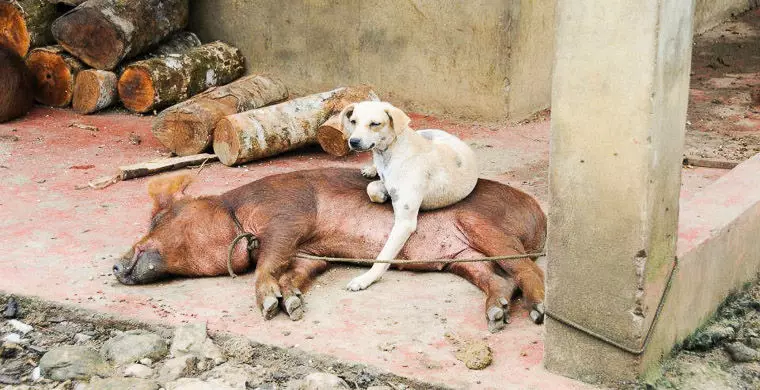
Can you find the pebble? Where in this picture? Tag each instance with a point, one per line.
(20, 326)
(741, 353)
(138, 371)
(36, 375)
(12, 338)
(81, 338)
(323, 381)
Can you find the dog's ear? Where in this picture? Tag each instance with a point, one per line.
(399, 121)
(345, 120)
(166, 190)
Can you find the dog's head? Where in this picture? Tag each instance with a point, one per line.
(373, 125)
(187, 236)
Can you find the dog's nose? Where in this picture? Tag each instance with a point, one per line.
(117, 269)
(354, 142)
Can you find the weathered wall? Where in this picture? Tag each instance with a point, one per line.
(484, 59)
(709, 13)
(441, 57)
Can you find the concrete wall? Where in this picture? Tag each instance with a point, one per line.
(469, 59)
(483, 59)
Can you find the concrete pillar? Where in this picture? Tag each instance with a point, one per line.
(620, 92)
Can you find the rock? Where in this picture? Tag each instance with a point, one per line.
(20, 327)
(36, 374)
(235, 375)
(11, 309)
(134, 345)
(379, 388)
(81, 338)
(14, 338)
(10, 350)
(138, 371)
(741, 353)
(238, 349)
(146, 362)
(176, 368)
(69, 362)
(122, 384)
(475, 354)
(709, 337)
(192, 339)
(323, 381)
(197, 384)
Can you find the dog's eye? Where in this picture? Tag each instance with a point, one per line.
(353, 121)
(373, 124)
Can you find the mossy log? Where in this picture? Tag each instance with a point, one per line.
(272, 130)
(102, 33)
(55, 71)
(160, 82)
(96, 89)
(188, 127)
(25, 24)
(330, 134)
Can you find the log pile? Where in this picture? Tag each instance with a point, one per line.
(25, 24)
(272, 130)
(102, 33)
(187, 128)
(96, 89)
(160, 82)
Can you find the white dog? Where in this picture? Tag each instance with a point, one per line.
(426, 169)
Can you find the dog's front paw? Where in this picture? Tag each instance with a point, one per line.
(369, 171)
(359, 283)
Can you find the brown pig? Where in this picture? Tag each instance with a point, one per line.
(325, 212)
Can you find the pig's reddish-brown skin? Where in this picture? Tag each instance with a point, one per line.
(326, 212)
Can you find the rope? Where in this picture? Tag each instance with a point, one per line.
(408, 261)
(632, 350)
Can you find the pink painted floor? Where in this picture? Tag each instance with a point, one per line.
(59, 243)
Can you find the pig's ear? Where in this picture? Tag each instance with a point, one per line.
(166, 190)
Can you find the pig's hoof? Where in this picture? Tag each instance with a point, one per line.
(294, 307)
(498, 317)
(270, 308)
(369, 171)
(537, 313)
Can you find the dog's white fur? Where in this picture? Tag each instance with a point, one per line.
(425, 169)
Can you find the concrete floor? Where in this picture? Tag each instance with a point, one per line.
(59, 243)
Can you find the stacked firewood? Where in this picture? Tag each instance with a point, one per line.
(93, 54)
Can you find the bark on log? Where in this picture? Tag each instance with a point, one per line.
(330, 134)
(95, 89)
(72, 3)
(25, 24)
(161, 82)
(16, 86)
(188, 127)
(272, 130)
(55, 71)
(102, 33)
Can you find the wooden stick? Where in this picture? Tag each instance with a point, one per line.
(710, 162)
(133, 171)
(188, 127)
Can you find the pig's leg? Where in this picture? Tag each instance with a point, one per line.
(406, 205)
(296, 280)
(493, 241)
(278, 244)
(499, 291)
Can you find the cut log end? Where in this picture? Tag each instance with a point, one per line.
(185, 128)
(13, 32)
(226, 142)
(53, 76)
(136, 90)
(81, 25)
(93, 91)
(331, 138)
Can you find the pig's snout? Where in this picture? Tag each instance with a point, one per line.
(139, 267)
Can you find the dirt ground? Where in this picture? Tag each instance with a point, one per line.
(724, 105)
(722, 354)
(267, 367)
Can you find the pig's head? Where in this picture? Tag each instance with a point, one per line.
(187, 237)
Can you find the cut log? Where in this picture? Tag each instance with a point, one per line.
(95, 89)
(272, 130)
(161, 82)
(102, 33)
(72, 3)
(330, 134)
(55, 71)
(16, 86)
(188, 127)
(25, 24)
